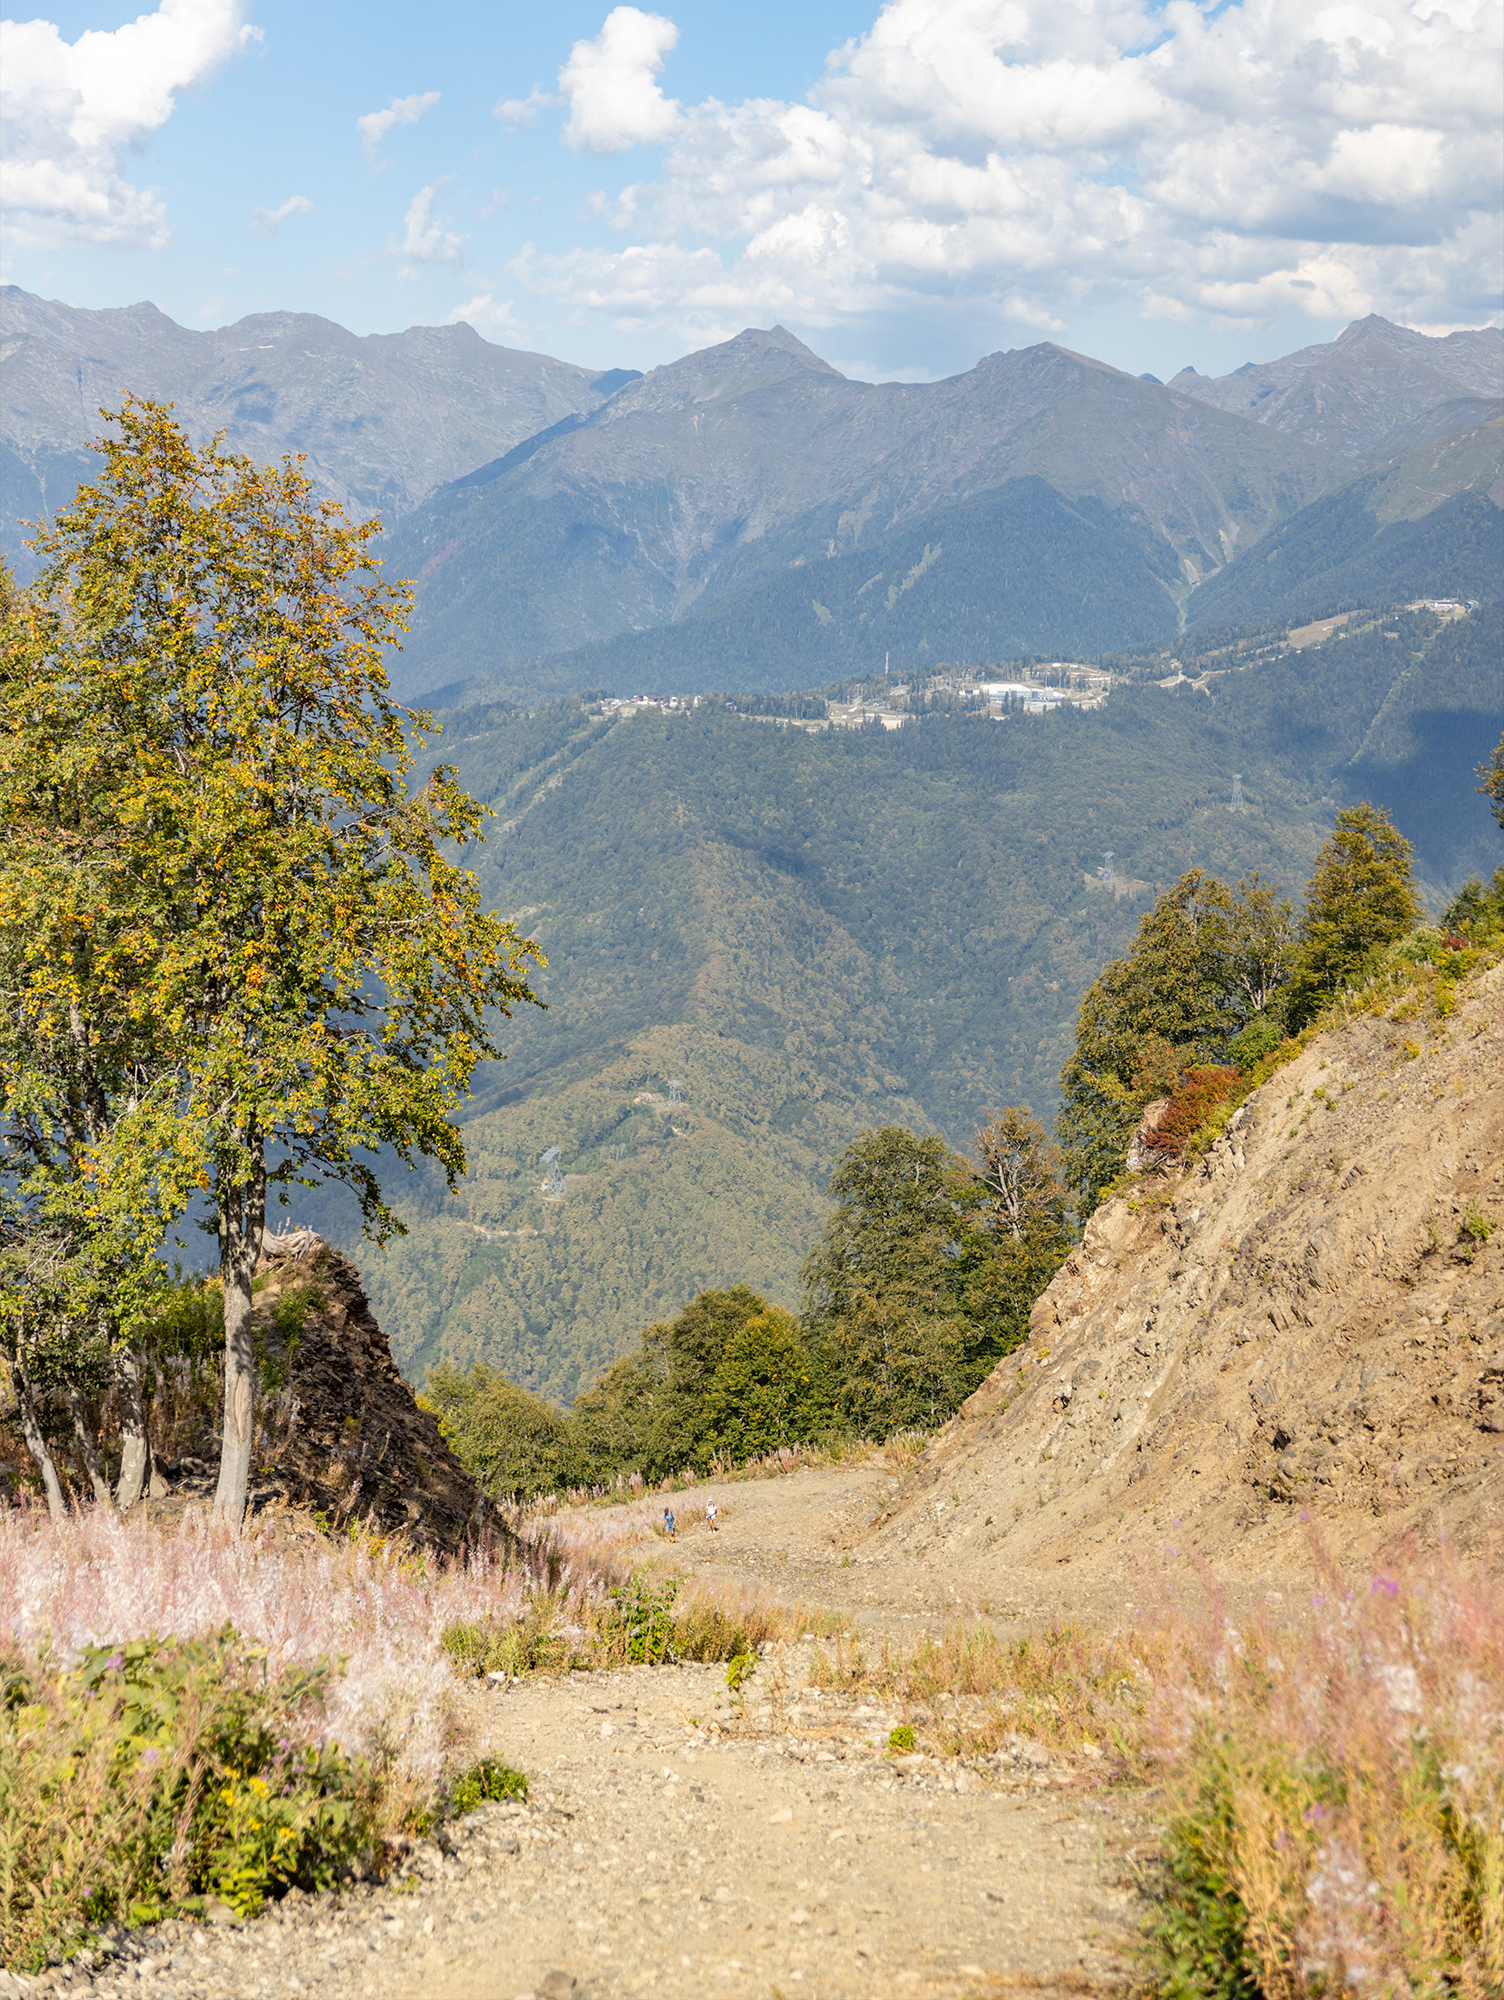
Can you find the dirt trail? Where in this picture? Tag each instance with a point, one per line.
(683, 1840)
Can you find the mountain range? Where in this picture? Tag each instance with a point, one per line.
(383, 419)
(747, 516)
(764, 939)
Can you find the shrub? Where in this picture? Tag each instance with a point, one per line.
(487, 1781)
(161, 1771)
(636, 1628)
(1192, 1104)
(1260, 1038)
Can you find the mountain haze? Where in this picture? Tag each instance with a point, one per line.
(383, 418)
(1370, 393)
(739, 464)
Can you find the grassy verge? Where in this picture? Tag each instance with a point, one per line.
(1334, 1788)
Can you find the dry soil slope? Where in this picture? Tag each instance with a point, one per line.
(1291, 1336)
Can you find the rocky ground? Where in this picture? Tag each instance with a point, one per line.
(681, 1841)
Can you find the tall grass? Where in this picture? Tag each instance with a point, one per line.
(1334, 1787)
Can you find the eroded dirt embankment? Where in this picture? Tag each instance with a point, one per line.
(1290, 1338)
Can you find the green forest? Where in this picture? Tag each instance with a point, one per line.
(817, 934)
(929, 1263)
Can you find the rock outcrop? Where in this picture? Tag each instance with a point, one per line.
(338, 1429)
(1302, 1327)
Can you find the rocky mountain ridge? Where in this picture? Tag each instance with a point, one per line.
(1371, 393)
(382, 418)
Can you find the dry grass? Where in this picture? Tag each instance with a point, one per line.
(968, 1691)
(1334, 1787)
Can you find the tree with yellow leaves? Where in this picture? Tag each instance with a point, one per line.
(259, 904)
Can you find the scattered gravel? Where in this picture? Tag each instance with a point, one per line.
(679, 1842)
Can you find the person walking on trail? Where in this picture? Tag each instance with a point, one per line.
(710, 1517)
(668, 1522)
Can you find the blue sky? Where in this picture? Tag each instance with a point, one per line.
(907, 187)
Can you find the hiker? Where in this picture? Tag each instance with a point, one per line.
(710, 1517)
(668, 1522)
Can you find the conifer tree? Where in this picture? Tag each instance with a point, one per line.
(1361, 896)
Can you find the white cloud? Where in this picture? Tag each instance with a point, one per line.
(491, 317)
(70, 109)
(374, 125)
(267, 221)
(425, 240)
(1219, 165)
(516, 111)
(610, 88)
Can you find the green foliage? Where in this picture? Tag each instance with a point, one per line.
(1361, 898)
(901, 1738)
(739, 1670)
(263, 946)
(1205, 967)
(1256, 1039)
(825, 932)
(898, 1289)
(511, 1442)
(1475, 1227)
(638, 1627)
(529, 1644)
(486, 1782)
(770, 1388)
(160, 1771)
(654, 1411)
(1198, 1936)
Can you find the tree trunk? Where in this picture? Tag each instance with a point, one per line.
(135, 1443)
(242, 1224)
(88, 1445)
(36, 1444)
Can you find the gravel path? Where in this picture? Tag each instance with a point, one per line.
(682, 1842)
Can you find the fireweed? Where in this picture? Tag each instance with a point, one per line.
(83, 1810)
(1336, 1797)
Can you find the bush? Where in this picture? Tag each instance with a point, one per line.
(159, 1772)
(486, 1781)
(1192, 1104)
(1260, 1038)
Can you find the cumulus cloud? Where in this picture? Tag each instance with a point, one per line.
(70, 109)
(267, 221)
(515, 111)
(610, 84)
(424, 238)
(491, 317)
(374, 125)
(1036, 154)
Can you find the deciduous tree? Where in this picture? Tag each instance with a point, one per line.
(313, 972)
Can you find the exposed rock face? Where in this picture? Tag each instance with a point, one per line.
(1291, 1330)
(343, 1430)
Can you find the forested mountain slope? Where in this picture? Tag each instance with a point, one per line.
(1430, 523)
(816, 933)
(383, 418)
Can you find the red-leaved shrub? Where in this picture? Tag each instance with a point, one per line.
(1193, 1102)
